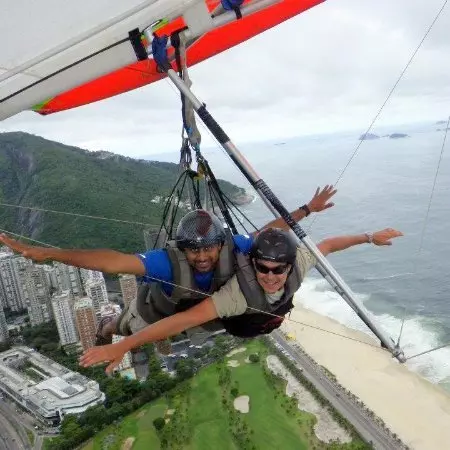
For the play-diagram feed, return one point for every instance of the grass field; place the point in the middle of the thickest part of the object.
(137, 425)
(202, 421)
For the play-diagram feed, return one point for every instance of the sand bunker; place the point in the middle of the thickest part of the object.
(242, 404)
(127, 444)
(326, 428)
(233, 363)
(169, 412)
(236, 350)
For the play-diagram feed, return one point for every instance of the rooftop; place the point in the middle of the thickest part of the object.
(45, 385)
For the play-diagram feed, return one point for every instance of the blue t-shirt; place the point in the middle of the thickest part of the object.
(157, 265)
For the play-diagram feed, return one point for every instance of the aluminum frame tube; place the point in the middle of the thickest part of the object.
(276, 206)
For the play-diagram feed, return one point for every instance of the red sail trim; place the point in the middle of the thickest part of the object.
(144, 72)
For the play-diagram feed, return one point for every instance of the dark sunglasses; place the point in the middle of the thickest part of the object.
(275, 270)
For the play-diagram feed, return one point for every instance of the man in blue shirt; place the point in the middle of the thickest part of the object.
(200, 255)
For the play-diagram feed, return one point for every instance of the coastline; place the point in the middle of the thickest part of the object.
(411, 406)
(244, 198)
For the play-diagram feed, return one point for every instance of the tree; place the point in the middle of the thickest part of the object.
(159, 423)
(234, 392)
(254, 358)
(95, 416)
(154, 365)
(185, 368)
(222, 345)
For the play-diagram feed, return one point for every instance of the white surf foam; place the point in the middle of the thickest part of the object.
(417, 335)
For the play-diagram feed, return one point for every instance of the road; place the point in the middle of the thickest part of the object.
(12, 434)
(369, 430)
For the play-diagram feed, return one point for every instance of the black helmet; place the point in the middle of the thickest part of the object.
(276, 245)
(199, 228)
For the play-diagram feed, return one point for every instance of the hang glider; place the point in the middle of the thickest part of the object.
(82, 52)
(64, 57)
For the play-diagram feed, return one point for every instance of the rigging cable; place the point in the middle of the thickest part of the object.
(353, 155)
(272, 315)
(27, 238)
(424, 226)
(32, 208)
(256, 309)
(203, 293)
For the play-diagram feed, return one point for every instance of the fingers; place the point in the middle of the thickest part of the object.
(93, 356)
(328, 191)
(9, 242)
(393, 233)
(384, 237)
(109, 369)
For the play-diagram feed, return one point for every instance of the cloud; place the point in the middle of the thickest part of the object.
(328, 69)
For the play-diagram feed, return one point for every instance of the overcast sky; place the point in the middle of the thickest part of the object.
(329, 69)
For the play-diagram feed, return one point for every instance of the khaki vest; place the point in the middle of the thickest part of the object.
(254, 323)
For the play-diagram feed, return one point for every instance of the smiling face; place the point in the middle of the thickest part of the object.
(203, 259)
(271, 282)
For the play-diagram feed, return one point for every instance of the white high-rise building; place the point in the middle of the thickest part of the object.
(86, 322)
(68, 278)
(3, 301)
(4, 334)
(12, 274)
(91, 275)
(96, 290)
(52, 278)
(62, 305)
(128, 286)
(39, 301)
(126, 362)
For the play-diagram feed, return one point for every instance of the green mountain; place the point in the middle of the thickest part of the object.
(35, 172)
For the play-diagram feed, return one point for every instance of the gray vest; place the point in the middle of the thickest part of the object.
(154, 304)
(254, 323)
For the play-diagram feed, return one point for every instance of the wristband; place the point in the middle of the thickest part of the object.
(306, 209)
(369, 237)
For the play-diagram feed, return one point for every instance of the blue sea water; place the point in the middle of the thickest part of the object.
(387, 184)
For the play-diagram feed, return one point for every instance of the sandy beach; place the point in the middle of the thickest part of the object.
(412, 407)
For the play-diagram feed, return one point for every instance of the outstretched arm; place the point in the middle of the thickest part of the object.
(319, 202)
(170, 326)
(103, 260)
(339, 243)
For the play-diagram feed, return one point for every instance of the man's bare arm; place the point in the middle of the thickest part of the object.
(103, 260)
(170, 326)
(319, 202)
(379, 238)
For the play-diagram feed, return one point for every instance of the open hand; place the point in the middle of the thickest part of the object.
(321, 198)
(384, 237)
(112, 353)
(38, 254)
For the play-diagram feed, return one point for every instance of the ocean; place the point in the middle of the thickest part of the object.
(387, 184)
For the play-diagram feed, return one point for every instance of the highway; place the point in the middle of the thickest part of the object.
(369, 430)
(12, 434)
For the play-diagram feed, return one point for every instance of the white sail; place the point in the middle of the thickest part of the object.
(47, 36)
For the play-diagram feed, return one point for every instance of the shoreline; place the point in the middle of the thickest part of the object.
(243, 199)
(411, 406)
